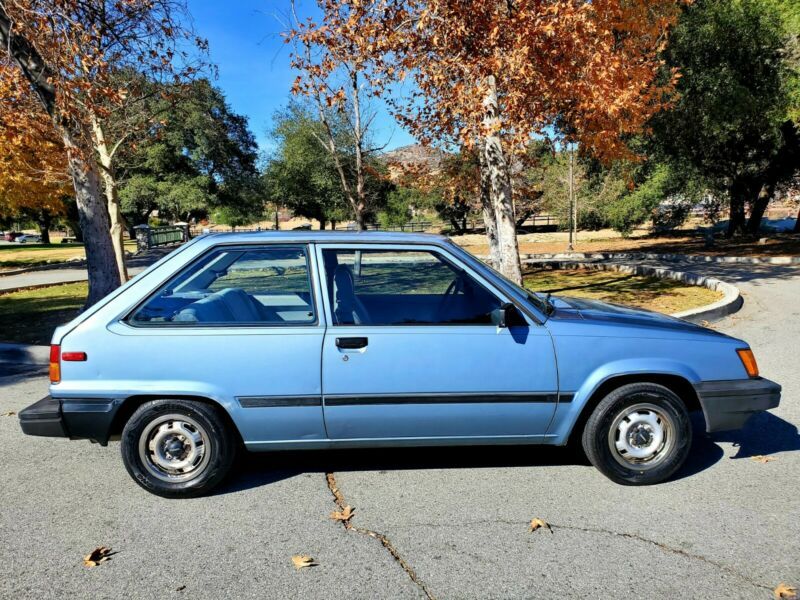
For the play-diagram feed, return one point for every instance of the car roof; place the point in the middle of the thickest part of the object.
(332, 237)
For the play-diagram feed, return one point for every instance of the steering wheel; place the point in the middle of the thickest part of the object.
(456, 286)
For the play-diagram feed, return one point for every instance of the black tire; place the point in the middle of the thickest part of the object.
(198, 434)
(643, 410)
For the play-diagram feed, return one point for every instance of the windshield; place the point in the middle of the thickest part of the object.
(520, 292)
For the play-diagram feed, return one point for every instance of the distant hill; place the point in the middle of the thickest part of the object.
(414, 155)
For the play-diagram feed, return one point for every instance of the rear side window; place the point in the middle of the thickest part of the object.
(236, 286)
(403, 287)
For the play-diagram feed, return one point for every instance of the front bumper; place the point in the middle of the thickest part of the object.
(74, 418)
(729, 404)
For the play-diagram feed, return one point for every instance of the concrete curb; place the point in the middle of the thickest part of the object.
(46, 267)
(744, 260)
(24, 354)
(730, 303)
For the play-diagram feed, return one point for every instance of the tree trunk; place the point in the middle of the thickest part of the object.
(93, 219)
(759, 207)
(500, 187)
(44, 220)
(92, 212)
(487, 211)
(457, 228)
(736, 222)
(116, 220)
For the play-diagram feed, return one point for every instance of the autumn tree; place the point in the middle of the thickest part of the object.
(490, 74)
(337, 80)
(74, 55)
(33, 165)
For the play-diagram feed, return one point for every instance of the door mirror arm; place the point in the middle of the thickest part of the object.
(508, 315)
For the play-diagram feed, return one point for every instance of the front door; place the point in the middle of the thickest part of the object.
(411, 351)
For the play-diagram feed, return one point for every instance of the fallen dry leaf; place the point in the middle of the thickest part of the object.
(760, 458)
(10, 413)
(343, 515)
(300, 561)
(99, 555)
(537, 523)
(785, 592)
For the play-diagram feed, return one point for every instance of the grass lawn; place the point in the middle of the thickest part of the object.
(29, 316)
(16, 256)
(662, 295)
(28, 255)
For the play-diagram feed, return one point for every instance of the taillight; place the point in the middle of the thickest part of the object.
(749, 361)
(55, 363)
(73, 356)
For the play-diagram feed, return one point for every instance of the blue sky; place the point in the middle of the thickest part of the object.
(253, 61)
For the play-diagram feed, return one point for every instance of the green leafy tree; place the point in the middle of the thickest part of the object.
(302, 175)
(200, 159)
(731, 124)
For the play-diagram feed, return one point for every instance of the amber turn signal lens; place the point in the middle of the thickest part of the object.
(55, 363)
(749, 361)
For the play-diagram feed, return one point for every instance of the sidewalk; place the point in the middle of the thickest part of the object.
(61, 274)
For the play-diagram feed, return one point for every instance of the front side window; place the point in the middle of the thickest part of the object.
(403, 287)
(236, 285)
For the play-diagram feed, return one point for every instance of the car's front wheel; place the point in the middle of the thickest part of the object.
(177, 448)
(639, 434)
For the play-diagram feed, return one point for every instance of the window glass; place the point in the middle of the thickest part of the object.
(399, 287)
(267, 285)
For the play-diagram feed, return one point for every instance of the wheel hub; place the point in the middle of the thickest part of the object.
(641, 435)
(174, 448)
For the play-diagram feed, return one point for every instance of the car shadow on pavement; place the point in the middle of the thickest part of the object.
(257, 469)
(764, 434)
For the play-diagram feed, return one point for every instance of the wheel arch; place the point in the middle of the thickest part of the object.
(573, 416)
(676, 383)
(130, 404)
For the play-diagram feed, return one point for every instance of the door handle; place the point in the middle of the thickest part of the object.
(351, 343)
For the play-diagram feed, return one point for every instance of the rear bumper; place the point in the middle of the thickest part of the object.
(729, 404)
(43, 418)
(74, 418)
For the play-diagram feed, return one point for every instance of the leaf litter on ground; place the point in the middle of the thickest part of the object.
(99, 555)
(301, 561)
(540, 524)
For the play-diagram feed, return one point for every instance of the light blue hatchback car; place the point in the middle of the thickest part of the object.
(289, 340)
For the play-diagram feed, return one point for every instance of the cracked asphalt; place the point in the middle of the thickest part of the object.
(457, 519)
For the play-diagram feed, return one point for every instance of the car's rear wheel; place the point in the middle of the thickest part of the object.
(639, 434)
(177, 448)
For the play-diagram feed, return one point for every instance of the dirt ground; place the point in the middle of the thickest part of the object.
(611, 241)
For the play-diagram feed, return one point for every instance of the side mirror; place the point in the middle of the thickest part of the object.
(508, 315)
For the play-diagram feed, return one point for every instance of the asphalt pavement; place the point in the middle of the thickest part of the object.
(441, 523)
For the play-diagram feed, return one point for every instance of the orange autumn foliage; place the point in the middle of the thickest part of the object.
(33, 162)
(588, 69)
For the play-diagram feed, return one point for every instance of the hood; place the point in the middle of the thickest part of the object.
(604, 313)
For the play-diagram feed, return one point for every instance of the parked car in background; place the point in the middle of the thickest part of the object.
(29, 238)
(11, 236)
(312, 340)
